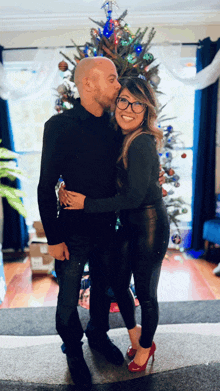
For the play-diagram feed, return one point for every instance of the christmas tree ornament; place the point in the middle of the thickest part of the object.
(170, 172)
(184, 210)
(86, 50)
(131, 58)
(63, 66)
(126, 28)
(168, 155)
(183, 155)
(149, 58)
(164, 192)
(169, 128)
(175, 177)
(109, 25)
(62, 89)
(138, 49)
(109, 3)
(176, 239)
(177, 184)
(94, 33)
(155, 79)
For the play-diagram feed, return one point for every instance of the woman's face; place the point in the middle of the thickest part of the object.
(127, 119)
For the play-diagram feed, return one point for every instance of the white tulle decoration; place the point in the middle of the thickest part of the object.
(43, 76)
(169, 54)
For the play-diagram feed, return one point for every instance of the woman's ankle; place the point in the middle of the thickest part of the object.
(135, 335)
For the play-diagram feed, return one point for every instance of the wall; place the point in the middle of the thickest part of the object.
(186, 33)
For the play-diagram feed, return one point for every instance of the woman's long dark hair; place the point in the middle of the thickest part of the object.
(141, 90)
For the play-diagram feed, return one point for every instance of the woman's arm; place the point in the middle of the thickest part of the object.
(140, 162)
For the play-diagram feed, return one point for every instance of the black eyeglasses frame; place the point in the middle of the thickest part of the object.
(129, 103)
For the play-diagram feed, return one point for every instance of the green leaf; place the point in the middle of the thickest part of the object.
(11, 173)
(9, 164)
(7, 191)
(6, 154)
(17, 205)
(13, 197)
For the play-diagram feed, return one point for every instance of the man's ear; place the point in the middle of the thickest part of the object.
(87, 84)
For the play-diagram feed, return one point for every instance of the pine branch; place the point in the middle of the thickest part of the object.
(122, 16)
(82, 55)
(67, 58)
(100, 24)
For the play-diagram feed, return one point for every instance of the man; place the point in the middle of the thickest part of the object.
(80, 145)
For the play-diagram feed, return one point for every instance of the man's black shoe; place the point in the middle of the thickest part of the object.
(79, 372)
(105, 346)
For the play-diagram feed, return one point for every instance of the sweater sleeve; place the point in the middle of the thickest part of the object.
(139, 171)
(49, 174)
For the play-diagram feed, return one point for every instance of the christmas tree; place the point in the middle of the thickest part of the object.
(131, 55)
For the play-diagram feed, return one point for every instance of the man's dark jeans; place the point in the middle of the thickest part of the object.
(99, 251)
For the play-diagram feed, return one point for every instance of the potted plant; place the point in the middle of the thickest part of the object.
(8, 169)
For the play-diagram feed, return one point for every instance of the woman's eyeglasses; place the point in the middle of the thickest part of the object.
(137, 107)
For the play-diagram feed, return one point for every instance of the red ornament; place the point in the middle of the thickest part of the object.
(164, 192)
(171, 172)
(63, 66)
(183, 155)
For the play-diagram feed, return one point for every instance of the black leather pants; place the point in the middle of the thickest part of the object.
(143, 240)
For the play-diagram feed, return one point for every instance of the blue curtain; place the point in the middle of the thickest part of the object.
(15, 233)
(204, 145)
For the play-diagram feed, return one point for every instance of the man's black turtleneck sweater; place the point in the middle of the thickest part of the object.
(83, 149)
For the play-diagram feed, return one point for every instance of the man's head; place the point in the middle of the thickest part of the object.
(97, 81)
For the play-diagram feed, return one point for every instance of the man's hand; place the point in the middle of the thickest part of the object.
(59, 251)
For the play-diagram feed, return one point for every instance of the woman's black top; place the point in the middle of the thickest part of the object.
(140, 181)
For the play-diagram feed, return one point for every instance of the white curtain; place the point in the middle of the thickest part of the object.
(43, 75)
(169, 54)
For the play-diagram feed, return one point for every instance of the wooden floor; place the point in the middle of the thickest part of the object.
(182, 279)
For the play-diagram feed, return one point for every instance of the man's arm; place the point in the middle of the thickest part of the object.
(51, 169)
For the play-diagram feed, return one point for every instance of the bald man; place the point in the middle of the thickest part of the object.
(81, 145)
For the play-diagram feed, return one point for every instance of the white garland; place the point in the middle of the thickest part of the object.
(169, 54)
(44, 77)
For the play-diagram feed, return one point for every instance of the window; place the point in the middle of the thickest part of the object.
(180, 104)
(28, 118)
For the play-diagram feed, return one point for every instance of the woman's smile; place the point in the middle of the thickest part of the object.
(127, 119)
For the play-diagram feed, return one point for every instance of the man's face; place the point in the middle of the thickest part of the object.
(106, 85)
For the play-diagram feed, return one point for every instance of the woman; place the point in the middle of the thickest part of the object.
(144, 233)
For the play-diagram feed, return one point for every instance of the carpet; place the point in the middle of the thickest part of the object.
(187, 356)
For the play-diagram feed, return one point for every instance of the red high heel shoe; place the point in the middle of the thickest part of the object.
(133, 367)
(131, 352)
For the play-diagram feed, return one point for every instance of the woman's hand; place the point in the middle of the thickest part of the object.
(62, 194)
(161, 176)
(74, 200)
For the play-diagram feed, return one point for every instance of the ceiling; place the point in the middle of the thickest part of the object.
(62, 14)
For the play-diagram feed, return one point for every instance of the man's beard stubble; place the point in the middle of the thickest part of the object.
(106, 103)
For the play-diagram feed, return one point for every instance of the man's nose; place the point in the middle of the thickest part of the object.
(118, 86)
